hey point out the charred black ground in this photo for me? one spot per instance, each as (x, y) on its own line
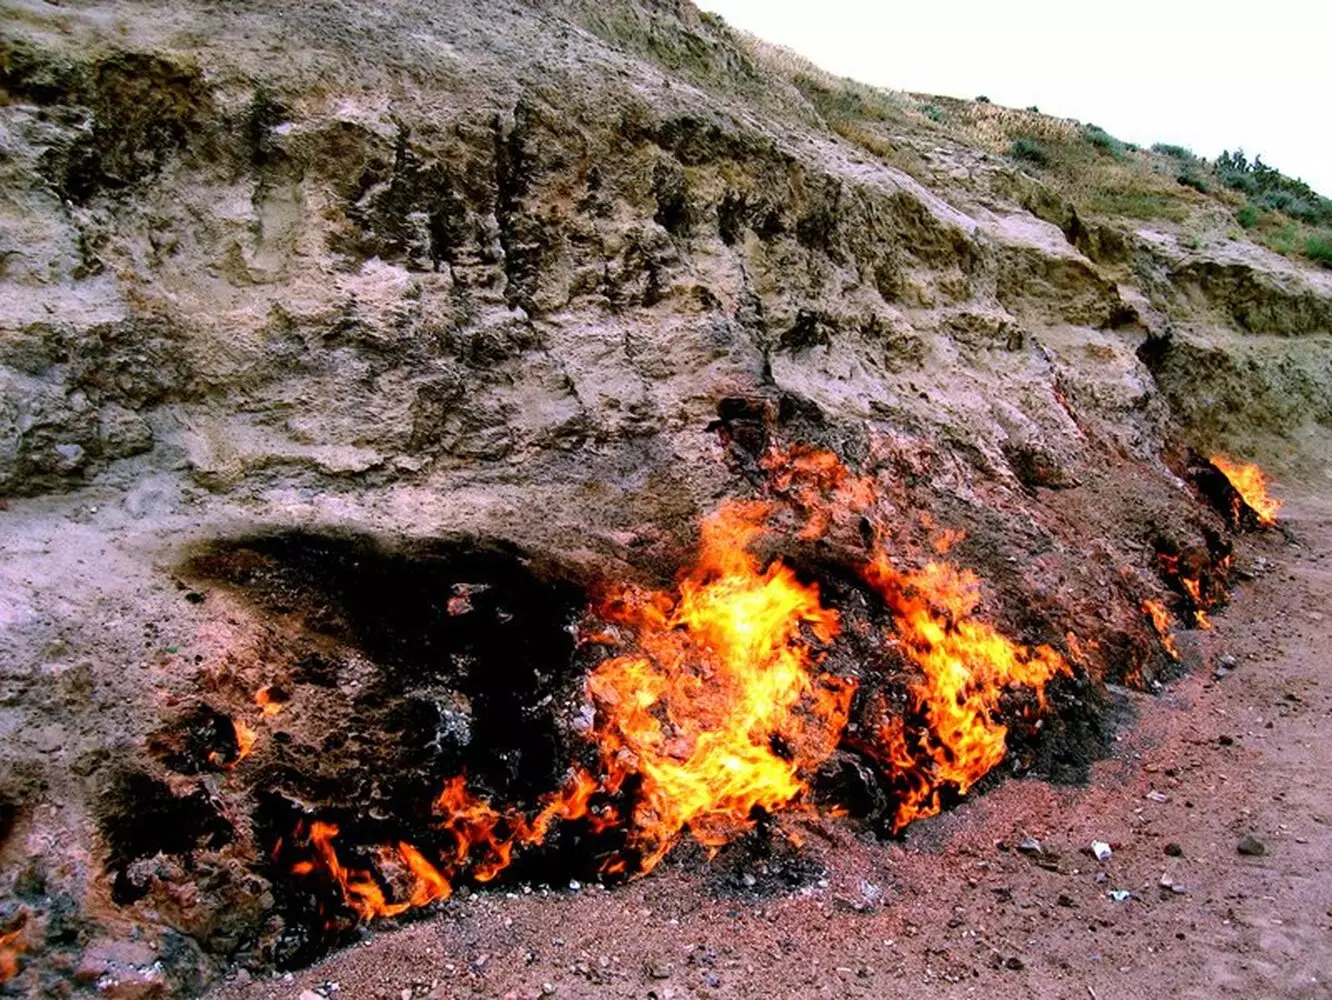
(397, 668)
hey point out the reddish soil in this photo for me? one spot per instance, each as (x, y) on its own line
(957, 908)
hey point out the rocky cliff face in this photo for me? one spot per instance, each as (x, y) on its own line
(549, 276)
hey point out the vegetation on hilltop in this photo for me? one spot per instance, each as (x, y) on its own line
(1094, 173)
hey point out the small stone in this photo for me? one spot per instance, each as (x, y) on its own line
(547, 989)
(1100, 850)
(1251, 846)
(1174, 850)
(1065, 900)
(1155, 796)
(1015, 963)
(1030, 845)
(311, 995)
(659, 970)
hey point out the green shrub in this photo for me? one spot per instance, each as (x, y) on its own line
(1319, 248)
(1272, 189)
(1032, 107)
(1190, 177)
(933, 112)
(1103, 141)
(1031, 151)
(982, 99)
(1178, 152)
(1248, 215)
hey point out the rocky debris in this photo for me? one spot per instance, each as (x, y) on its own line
(1251, 846)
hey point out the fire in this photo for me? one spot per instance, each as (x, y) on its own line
(245, 737)
(718, 710)
(967, 668)
(11, 946)
(713, 706)
(1198, 574)
(1160, 619)
(269, 700)
(472, 838)
(1250, 483)
(361, 890)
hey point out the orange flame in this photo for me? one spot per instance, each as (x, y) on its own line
(1251, 484)
(245, 737)
(719, 710)
(268, 701)
(1160, 619)
(12, 945)
(360, 888)
(967, 667)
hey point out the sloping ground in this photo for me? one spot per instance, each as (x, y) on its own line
(544, 280)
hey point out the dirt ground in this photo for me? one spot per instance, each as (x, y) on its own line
(959, 908)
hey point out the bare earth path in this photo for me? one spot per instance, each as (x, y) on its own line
(957, 909)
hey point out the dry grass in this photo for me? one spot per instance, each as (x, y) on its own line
(1083, 166)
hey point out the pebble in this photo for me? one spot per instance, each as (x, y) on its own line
(1030, 845)
(1251, 846)
(1015, 963)
(1100, 850)
(1174, 850)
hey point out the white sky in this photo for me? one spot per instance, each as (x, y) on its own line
(1206, 74)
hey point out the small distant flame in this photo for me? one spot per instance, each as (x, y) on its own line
(12, 944)
(1250, 483)
(716, 709)
(1160, 619)
(269, 700)
(1200, 577)
(245, 737)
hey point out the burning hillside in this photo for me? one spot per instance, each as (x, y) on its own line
(709, 707)
(477, 448)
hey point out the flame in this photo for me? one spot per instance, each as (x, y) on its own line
(1160, 619)
(713, 708)
(12, 945)
(478, 842)
(718, 711)
(360, 888)
(1250, 483)
(1187, 570)
(268, 700)
(245, 737)
(967, 667)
